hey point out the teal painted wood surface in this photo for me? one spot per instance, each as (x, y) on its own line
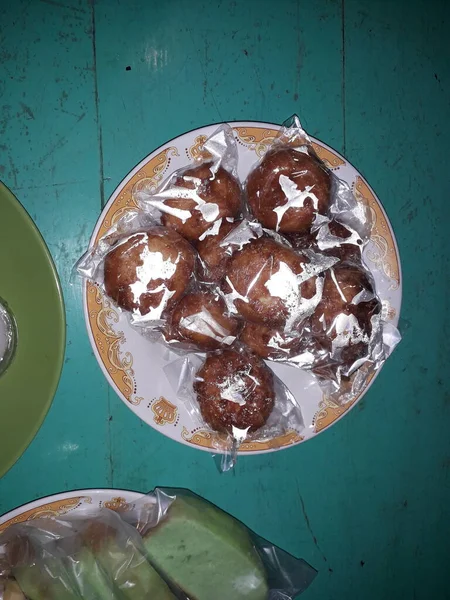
(367, 501)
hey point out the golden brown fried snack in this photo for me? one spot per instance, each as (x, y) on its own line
(234, 390)
(270, 343)
(342, 320)
(287, 189)
(148, 272)
(201, 318)
(261, 281)
(218, 196)
(344, 251)
(303, 241)
(213, 256)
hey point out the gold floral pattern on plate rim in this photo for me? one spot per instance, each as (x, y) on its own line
(52, 507)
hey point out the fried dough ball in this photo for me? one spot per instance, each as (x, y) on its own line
(201, 318)
(303, 241)
(234, 390)
(270, 343)
(209, 196)
(213, 256)
(262, 283)
(287, 189)
(148, 272)
(344, 251)
(342, 319)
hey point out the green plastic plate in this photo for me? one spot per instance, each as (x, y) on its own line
(30, 287)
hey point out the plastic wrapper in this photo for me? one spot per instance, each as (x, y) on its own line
(168, 545)
(200, 322)
(291, 191)
(199, 196)
(344, 338)
(235, 393)
(156, 284)
(143, 267)
(268, 282)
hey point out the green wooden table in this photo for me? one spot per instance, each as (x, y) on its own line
(89, 88)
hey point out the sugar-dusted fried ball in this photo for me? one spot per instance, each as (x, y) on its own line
(148, 272)
(214, 257)
(234, 390)
(342, 320)
(270, 343)
(203, 197)
(266, 282)
(202, 319)
(287, 189)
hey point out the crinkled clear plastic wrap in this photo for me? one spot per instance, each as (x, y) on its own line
(268, 282)
(143, 267)
(291, 190)
(150, 272)
(234, 393)
(195, 199)
(345, 338)
(170, 544)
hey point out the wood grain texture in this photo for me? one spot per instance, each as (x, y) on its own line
(366, 501)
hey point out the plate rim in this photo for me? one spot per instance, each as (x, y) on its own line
(122, 183)
(61, 337)
(18, 510)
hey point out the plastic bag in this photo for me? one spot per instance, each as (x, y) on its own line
(345, 336)
(292, 191)
(200, 322)
(143, 267)
(195, 198)
(269, 283)
(168, 545)
(163, 296)
(10, 590)
(235, 393)
(91, 555)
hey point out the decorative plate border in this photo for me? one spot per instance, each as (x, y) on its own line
(98, 309)
(52, 507)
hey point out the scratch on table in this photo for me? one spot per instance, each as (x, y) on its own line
(300, 48)
(63, 98)
(56, 146)
(97, 109)
(27, 110)
(72, 114)
(258, 79)
(110, 453)
(62, 254)
(6, 112)
(344, 128)
(308, 526)
(50, 185)
(206, 87)
(14, 171)
(81, 238)
(61, 5)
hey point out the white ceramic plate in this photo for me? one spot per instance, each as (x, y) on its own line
(134, 366)
(68, 502)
